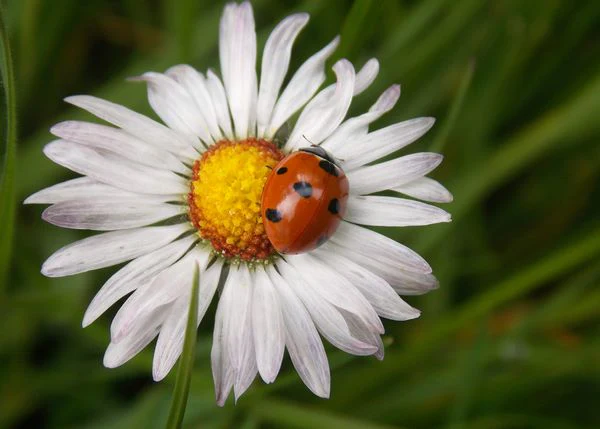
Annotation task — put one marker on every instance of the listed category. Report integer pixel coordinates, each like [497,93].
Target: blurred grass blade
[9,142]
[284,414]
[186,361]
[442,137]
[181,20]
[354,29]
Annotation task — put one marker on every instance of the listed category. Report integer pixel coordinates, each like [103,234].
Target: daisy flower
[187,193]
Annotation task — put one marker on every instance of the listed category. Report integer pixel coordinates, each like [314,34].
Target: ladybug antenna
[306,138]
[269,167]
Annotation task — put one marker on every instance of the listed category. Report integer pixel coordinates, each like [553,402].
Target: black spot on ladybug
[282,170]
[328,167]
[273,215]
[322,239]
[304,189]
[334,206]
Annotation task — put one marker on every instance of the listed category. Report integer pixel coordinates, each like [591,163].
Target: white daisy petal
[247,372]
[302,86]
[195,85]
[327,318]
[355,128]
[390,211]
[397,172]
[85,187]
[238,341]
[119,142]
[114,170]
[118,353]
[239,326]
[222,369]
[403,281]
[425,189]
[165,288]
[219,98]
[323,114]
[275,63]
[135,274]
[384,141]
[302,339]
[110,248]
[366,76]
[172,329]
[170,340]
[247,368]
[138,125]
[329,285]
[372,244]
[360,331]
[175,106]
[378,292]
[269,330]
[109,213]
[208,287]
[237,50]
[409,283]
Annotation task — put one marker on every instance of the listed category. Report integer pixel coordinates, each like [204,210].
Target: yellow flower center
[225,196]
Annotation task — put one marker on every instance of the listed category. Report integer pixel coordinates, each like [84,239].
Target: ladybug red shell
[304,200]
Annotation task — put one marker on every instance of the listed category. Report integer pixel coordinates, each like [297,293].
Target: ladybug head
[320,152]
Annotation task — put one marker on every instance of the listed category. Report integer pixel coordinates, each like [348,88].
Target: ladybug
[304,200]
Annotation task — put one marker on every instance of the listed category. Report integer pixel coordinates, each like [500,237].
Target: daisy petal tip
[48,269]
[413,314]
[159,373]
[56,128]
[342,65]
[139,78]
[369,349]
[429,121]
[30,199]
[302,18]
[47,215]
[269,375]
[77,100]
[325,393]
[221,398]
[88,319]
[109,361]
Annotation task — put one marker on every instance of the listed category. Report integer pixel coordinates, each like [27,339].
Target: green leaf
[7,174]
[186,361]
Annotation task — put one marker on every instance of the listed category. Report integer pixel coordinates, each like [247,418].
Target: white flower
[198,182]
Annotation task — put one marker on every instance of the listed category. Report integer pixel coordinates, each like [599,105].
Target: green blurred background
[510,340]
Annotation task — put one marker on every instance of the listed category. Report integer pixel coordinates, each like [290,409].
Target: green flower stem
[186,361]
[9,148]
